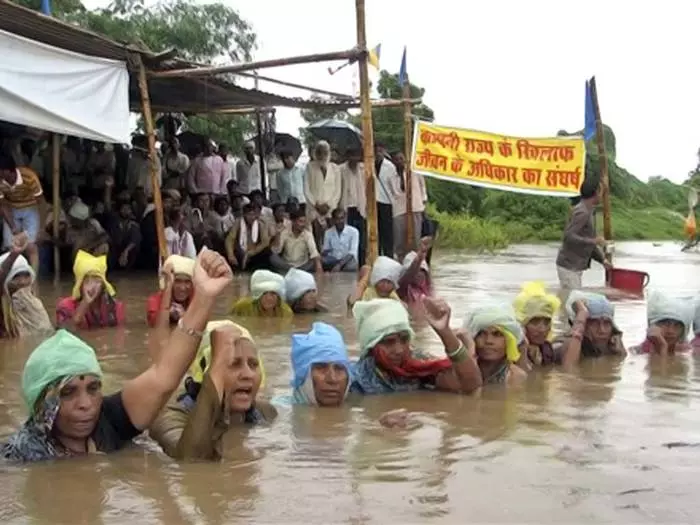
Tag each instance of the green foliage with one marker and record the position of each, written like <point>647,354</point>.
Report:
<point>199,32</point>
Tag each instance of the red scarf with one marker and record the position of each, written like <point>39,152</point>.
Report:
<point>412,367</point>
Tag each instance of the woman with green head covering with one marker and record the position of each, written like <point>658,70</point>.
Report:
<point>388,363</point>
<point>62,384</point>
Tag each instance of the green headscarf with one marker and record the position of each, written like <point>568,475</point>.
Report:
<point>61,355</point>
<point>378,318</point>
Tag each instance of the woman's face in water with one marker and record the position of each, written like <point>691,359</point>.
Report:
<point>537,329</point>
<point>182,288</point>
<point>671,330</point>
<point>384,288</point>
<point>330,382</point>
<point>19,281</point>
<point>599,331</point>
<point>490,344</point>
<point>309,300</point>
<point>395,347</point>
<point>81,401</point>
<point>269,301</point>
<point>243,373</point>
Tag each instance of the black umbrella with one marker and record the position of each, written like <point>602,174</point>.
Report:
<point>283,142</point>
<point>341,135</point>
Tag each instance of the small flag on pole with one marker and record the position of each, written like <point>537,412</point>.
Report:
<point>374,54</point>
<point>46,7</point>
<point>403,72</point>
<point>589,129</point>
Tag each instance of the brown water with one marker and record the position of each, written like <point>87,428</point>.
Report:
<point>587,447</point>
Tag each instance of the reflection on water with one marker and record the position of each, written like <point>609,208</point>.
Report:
<point>605,444</point>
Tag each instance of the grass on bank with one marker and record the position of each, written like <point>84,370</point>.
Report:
<point>463,231</point>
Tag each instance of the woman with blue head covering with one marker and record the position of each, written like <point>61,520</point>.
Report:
<point>593,329</point>
<point>321,367</point>
<point>669,320</point>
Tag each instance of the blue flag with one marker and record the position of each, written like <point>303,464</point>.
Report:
<point>403,73</point>
<point>46,7</point>
<point>589,128</point>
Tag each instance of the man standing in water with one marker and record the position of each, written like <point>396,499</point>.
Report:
<point>580,243</point>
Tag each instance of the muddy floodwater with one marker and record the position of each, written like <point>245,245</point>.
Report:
<point>611,443</point>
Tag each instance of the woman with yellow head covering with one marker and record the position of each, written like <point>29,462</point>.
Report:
<point>220,394</point>
<point>535,309</point>
<point>93,303</point>
<point>176,291</point>
<point>267,297</point>
<point>496,334</point>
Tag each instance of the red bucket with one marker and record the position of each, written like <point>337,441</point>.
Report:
<point>628,280</point>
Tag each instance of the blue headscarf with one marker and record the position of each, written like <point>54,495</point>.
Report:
<point>323,344</point>
<point>599,307</point>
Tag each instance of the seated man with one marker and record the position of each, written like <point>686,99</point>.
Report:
<point>296,248</point>
<point>125,235</point>
<point>248,242</point>
<point>84,232</point>
<point>340,245</point>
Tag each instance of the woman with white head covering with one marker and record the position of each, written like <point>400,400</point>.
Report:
<point>302,292</point>
<point>669,320</point>
<point>593,329</point>
<point>322,189</point>
<point>176,291</point>
<point>267,297</point>
<point>23,313</point>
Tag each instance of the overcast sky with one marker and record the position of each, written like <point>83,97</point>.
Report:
<point>514,67</point>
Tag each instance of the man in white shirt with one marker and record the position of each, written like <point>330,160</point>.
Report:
<point>401,217</point>
<point>248,170</point>
<point>290,180</point>
<point>176,165</point>
<point>354,201</point>
<point>385,172</point>
<point>322,189</point>
<point>296,248</point>
<point>340,245</point>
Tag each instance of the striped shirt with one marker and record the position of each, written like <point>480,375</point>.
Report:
<point>25,191</point>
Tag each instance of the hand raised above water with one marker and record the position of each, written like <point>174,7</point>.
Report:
<point>211,274</point>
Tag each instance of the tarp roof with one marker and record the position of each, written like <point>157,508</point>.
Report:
<point>186,95</point>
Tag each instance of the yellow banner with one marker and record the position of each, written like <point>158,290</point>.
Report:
<point>548,166</point>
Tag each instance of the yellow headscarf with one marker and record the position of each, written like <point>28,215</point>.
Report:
<point>181,266</point>
<point>502,317</point>
<point>203,359</point>
<point>86,264</point>
<point>534,301</point>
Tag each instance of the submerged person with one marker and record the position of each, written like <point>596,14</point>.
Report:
<point>415,282</point>
<point>302,292</point>
<point>496,334</point>
<point>92,303</point>
<point>388,363</point>
<point>175,294</point>
<point>22,313</point>
<point>321,367</point>
<point>535,309</point>
<point>267,297</point>
<point>669,320</point>
<point>593,329</point>
<point>383,279</point>
<point>62,384</point>
<point>220,394</point>
<point>695,343</point>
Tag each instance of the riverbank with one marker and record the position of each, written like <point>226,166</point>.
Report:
<point>463,231</point>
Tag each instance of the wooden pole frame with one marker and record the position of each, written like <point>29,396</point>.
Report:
<point>260,146</point>
<point>350,54</point>
<point>408,141</point>
<point>605,178</point>
<point>56,201</point>
<point>367,135</point>
<point>152,155</point>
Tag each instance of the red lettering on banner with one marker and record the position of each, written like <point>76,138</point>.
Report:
<point>478,146</point>
<point>532,176</point>
<point>505,148</point>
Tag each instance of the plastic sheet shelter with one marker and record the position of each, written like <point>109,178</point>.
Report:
<point>49,88</point>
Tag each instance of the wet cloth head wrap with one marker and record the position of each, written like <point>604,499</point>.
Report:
<point>182,266</point>
<point>297,283</point>
<point>502,317</point>
<point>323,344</point>
<point>263,281</point>
<point>662,307</point>
<point>49,368</point>
<point>21,265</point>
<point>86,264</point>
<point>385,268</point>
<point>599,307</point>
<point>377,319</point>
<point>533,301</point>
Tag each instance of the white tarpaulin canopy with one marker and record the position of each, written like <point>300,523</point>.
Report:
<point>48,88</point>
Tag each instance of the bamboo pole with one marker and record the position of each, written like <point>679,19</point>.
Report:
<point>367,135</point>
<point>56,201</point>
<point>341,96</point>
<point>150,134</point>
<point>260,146</point>
<point>407,139</point>
<point>350,54</point>
<point>604,180</point>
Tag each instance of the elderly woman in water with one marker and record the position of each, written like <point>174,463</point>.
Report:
<point>493,332</point>
<point>92,303</point>
<point>593,330</point>
<point>388,363</point>
<point>535,309</point>
<point>267,294</point>
<point>669,320</point>
<point>62,384</point>
<point>175,295</point>
<point>302,292</point>
<point>220,394</point>
<point>22,312</point>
